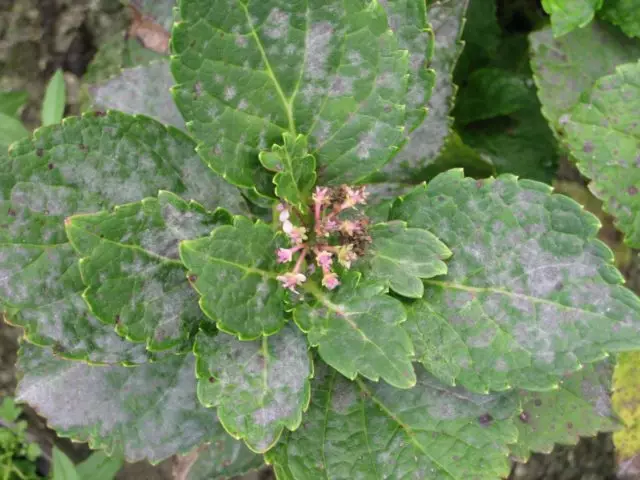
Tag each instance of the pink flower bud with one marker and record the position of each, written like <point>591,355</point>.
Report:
<point>330,280</point>
<point>291,280</point>
<point>285,255</point>
<point>284,215</point>
<point>321,195</point>
<point>354,196</point>
<point>287,227</point>
<point>297,234</point>
<point>349,227</point>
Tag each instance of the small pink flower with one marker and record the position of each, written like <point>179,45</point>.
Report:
<point>297,234</point>
<point>285,255</point>
<point>349,228</point>
<point>354,196</point>
<point>282,207</point>
<point>346,255</point>
<point>284,215</point>
<point>321,195</point>
<point>287,227</point>
<point>291,280</point>
<point>324,260</point>
<point>330,280</point>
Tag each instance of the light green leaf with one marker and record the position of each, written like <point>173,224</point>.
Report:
<point>625,14</point>
<point>564,68</point>
<point>580,407</point>
<point>8,410</point>
<point>135,280</point>
<point>259,387</point>
<point>223,459</point>
<point>401,257</point>
<point>11,102</point>
<point>356,331</point>
<point>11,130</point>
<point>55,98</point>
<point>248,72</point>
<point>604,136</point>
<point>567,15</point>
<point>63,467</point>
<point>141,89</point>
<point>530,290</point>
<point>146,412</point>
<point>296,170</point>
<point>85,165</point>
<point>364,430</point>
<point>234,271</point>
<point>428,139</point>
<point>99,466</point>
<point>626,395</point>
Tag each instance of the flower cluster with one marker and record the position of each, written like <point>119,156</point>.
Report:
<point>335,234</point>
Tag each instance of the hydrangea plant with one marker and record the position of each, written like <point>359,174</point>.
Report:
<point>277,284</point>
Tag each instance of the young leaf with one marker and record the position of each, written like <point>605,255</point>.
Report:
<point>581,407</point>
<point>142,89</point>
<point>63,467</point>
<point>146,412</point>
<point>258,387</point>
<point>222,460</point>
<point>55,98</point>
<point>248,72</point>
<point>87,164</point>
<point>132,270</point>
<point>623,13</point>
<point>530,290</point>
<point>11,102</point>
<point>567,15</point>
<point>296,170</point>
<point>234,271</point>
<point>626,403</point>
<point>566,67</point>
<point>401,257</point>
<point>356,331</point>
<point>99,466</point>
<point>603,135</point>
<point>11,130</point>
<point>364,430</point>
<point>428,139</point>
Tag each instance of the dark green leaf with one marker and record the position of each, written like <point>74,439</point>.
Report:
<point>146,412</point>
<point>85,165</point>
<point>530,290</point>
<point>625,14</point>
<point>55,98</point>
<point>581,407</point>
<point>259,387</point>
<point>248,72</point>
<point>296,170</point>
<point>135,280</point>
<point>356,331</point>
<point>234,271</point>
<point>364,430</point>
<point>63,468</point>
<point>604,136</point>
<point>567,15</point>
<point>12,102</point>
<point>401,257</point>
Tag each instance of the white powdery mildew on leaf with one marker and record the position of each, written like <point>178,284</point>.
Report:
<point>146,412</point>
<point>537,297</point>
<point>259,387</point>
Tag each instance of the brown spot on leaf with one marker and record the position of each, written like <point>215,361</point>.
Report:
<point>524,417</point>
<point>485,419</point>
<point>39,152</point>
<point>537,402</point>
<point>569,425</point>
<point>587,147</point>
<point>632,191</point>
<point>212,380</point>
<point>11,212</point>
<point>50,166</point>
<point>192,278</point>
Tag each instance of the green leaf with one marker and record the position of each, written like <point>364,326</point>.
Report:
<point>11,102</point>
<point>626,403</point>
<point>580,407</point>
<point>623,13</point>
<point>530,290</point>
<point>8,410</point>
<point>234,271</point>
<point>259,387</point>
<point>356,331</point>
<point>146,412</point>
<point>296,170</point>
<point>63,468</point>
<point>364,430</point>
<point>603,135</point>
<point>224,460</point>
<point>401,257</point>
<point>135,280</point>
<point>85,165</point>
<point>428,139</point>
<point>567,15</point>
<point>99,466</point>
<point>11,130</point>
<point>564,68</point>
<point>143,89</point>
<point>54,100</point>
<point>248,72</point>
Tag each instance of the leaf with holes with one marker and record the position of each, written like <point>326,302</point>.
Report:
<point>295,170</point>
<point>248,72</point>
<point>603,134</point>
<point>146,412</point>
<point>234,271</point>
<point>567,15</point>
<point>356,331</point>
<point>85,165</point>
<point>581,407</point>
<point>135,280</point>
<point>401,257</point>
<point>530,292</point>
<point>365,430</point>
<point>259,387</point>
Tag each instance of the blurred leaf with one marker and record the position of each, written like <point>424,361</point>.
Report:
<point>63,468</point>
<point>12,102</point>
<point>626,403</point>
<point>625,14</point>
<point>9,411</point>
<point>221,460</point>
<point>99,466</point>
<point>55,98</point>
<point>567,15</point>
<point>11,130</point>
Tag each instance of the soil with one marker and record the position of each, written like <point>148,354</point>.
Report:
<point>39,36</point>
